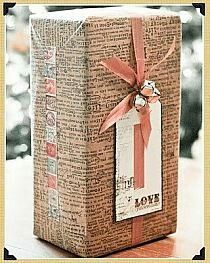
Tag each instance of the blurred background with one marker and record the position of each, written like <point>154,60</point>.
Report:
<point>18,131</point>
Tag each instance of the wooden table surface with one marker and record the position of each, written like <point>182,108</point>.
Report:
<point>19,239</point>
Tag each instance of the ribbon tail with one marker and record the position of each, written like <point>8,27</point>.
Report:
<point>117,113</point>
<point>121,69</point>
<point>146,127</point>
<point>170,51</point>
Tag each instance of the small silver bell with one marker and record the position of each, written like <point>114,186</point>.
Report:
<point>147,88</point>
<point>139,102</point>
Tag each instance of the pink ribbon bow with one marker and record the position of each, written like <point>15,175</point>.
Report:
<point>135,80</point>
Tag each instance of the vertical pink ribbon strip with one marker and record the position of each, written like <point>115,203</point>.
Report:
<point>141,131</point>
<point>138,157</point>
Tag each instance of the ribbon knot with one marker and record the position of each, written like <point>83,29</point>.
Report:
<point>144,91</point>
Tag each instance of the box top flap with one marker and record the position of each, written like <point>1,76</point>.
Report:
<point>104,12</point>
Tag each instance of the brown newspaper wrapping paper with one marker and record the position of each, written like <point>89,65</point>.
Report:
<point>86,93</point>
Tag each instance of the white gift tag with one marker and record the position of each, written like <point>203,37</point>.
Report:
<point>131,202</point>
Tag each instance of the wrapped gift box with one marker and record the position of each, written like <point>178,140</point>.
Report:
<point>85,199</point>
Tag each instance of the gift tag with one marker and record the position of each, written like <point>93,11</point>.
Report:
<point>138,169</point>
